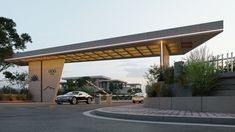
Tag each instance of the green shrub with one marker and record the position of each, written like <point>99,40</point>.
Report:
<point>169,75</point>
<point>24,97</point>
<point>166,91</point>
<point>9,97</point>
<point>153,89</point>
<point>8,90</point>
<point>200,73</point>
<point>24,91</point>
<point>29,96</point>
<point>21,97</point>
<point>18,97</point>
<point>154,74</point>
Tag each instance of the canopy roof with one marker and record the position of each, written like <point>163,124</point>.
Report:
<point>177,40</point>
<point>100,77</point>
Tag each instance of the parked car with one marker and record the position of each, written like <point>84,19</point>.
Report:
<point>138,97</point>
<point>74,97</point>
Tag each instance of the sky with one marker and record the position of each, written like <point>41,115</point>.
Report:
<point>62,22</point>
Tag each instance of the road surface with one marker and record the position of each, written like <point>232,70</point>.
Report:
<point>70,118</point>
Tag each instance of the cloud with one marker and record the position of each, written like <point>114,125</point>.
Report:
<point>136,72</point>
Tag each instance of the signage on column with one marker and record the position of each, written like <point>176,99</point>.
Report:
<point>34,78</point>
<point>52,71</point>
<point>48,87</point>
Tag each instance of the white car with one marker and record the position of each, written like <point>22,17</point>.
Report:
<point>74,97</point>
<point>138,97</point>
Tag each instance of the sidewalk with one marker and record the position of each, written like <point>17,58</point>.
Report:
<point>138,112</point>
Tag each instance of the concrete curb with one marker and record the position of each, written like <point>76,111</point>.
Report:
<point>164,118</point>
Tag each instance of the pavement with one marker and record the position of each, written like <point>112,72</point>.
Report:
<point>48,117</point>
<point>139,112</point>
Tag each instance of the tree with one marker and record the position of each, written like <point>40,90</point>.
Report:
<point>155,77</point>
<point>152,89</point>
<point>83,81</point>
<point>115,87</point>
<point>153,74</point>
<point>16,78</point>
<point>84,86</point>
<point>132,91</point>
<point>70,85</point>
<point>10,41</point>
<point>78,84</point>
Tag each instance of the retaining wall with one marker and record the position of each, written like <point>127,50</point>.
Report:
<point>225,85</point>
<point>200,104</point>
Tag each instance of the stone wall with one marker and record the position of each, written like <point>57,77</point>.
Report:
<point>200,104</point>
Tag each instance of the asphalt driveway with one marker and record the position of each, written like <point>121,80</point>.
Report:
<point>69,118</point>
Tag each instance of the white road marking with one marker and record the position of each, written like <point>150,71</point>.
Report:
<point>88,113</point>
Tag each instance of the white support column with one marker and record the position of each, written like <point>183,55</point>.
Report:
<point>164,56</point>
<point>45,79</point>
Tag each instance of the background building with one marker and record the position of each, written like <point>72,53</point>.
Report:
<point>114,86</point>
<point>133,88</point>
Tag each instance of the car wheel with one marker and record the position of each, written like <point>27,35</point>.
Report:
<point>88,100</point>
<point>133,101</point>
<point>73,101</point>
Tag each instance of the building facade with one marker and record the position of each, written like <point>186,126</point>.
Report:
<point>109,85</point>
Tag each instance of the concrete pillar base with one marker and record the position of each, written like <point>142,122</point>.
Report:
<point>45,79</point>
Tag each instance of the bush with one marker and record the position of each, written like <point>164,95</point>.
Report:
<point>24,91</point>
<point>9,97</point>
<point>25,94</point>
<point>166,91</point>
<point>9,90</point>
<point>18,97</point>
<point>21,97</point>
<point>153,89</point>
<point>169,75</point>
<point>12,97</point>
<point>201,73</point>
<point>29,96</point>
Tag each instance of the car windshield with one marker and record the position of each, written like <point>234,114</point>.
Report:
<point>139,94</point>
<point>69,93</point>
